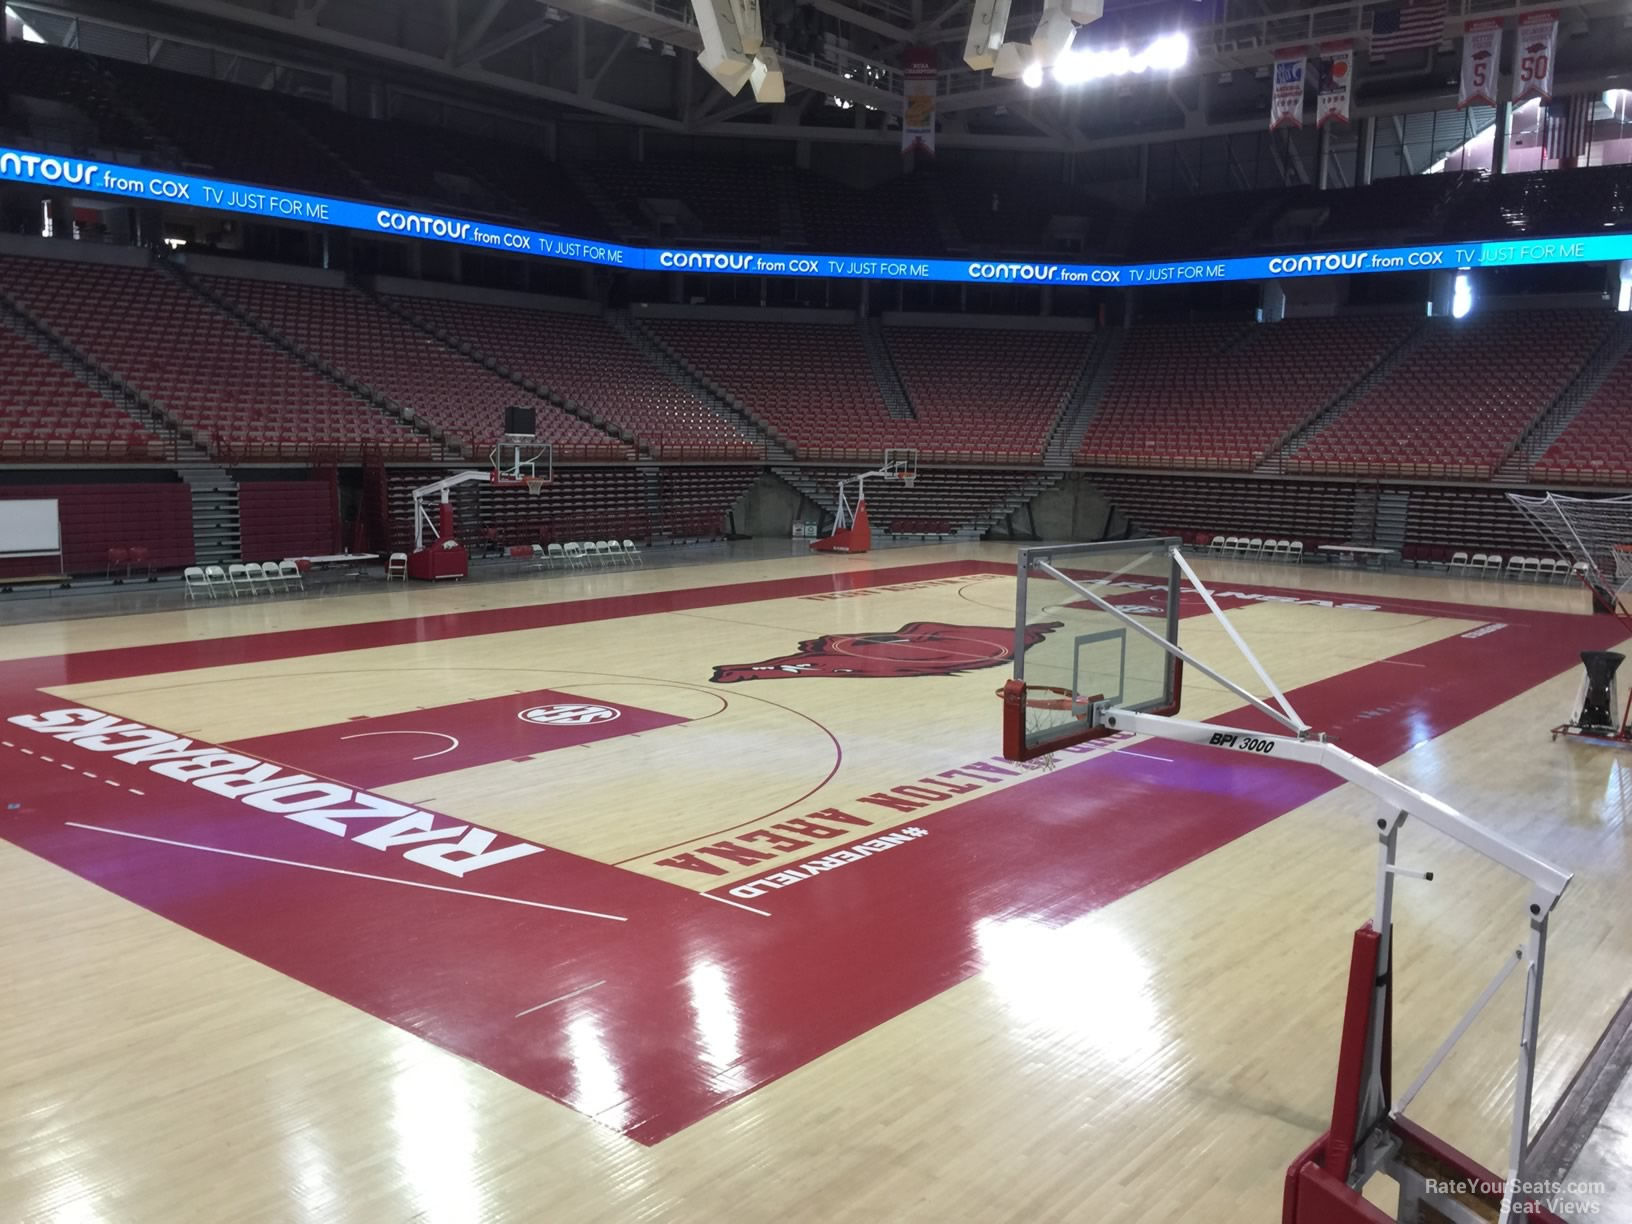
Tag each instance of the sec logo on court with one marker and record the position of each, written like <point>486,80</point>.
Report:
<point>921,648</point>
<point>566,715</point>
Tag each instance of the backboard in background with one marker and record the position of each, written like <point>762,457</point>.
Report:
<point>1069,653</point>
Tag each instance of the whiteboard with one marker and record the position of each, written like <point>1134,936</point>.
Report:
<point>29,528</point>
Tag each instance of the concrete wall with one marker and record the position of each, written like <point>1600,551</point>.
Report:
<point>246,269</point>
<point>400,286</point>
<point>770,506</point>
<point>1016,323</point>
<point>1072,510</point>
<point>74,252</point>
<point>742,314</point>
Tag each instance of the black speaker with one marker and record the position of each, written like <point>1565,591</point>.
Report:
<point>519,419</point>
<point>1597,710</point>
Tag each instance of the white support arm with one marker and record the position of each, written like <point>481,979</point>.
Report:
<point>439,490</point>
<point>1550,881</point>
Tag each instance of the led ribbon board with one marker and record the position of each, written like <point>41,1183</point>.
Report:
<point>162,187</point>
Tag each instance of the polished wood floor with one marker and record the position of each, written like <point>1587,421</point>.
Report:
<point>1160,1057</point>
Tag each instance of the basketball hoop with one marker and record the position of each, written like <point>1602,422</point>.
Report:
<point>1039,707</point>
<point>535,485</point>
<point>1048,698</point>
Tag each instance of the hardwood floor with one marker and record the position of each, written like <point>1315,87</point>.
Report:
<point>1109,991</point>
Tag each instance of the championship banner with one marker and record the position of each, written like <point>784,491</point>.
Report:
<point>1335,81</point>
<point>1533,65</point>
<point>1286,95</point>
<point>1481,45</point>
<point>918,97</point>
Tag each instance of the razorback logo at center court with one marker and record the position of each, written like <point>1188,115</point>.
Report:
<point>921,648</point>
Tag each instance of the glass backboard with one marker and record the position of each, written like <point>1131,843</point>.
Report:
<point>1070,653</point>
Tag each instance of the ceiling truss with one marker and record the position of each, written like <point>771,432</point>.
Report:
<point>603,57</point>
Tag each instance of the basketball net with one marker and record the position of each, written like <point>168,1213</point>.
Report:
<point>1596,533</point>
<point>1040,701</point>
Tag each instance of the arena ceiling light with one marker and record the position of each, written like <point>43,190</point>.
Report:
<point>1168,53</point>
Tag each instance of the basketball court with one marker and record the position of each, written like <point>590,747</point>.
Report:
<point>708,891</point>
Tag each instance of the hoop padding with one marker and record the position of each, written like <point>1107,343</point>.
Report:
<point>1316,1190</point>
<point>1018,701</point>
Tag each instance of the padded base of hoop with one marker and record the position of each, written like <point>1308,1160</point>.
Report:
<point>856,538</point>
<point>435,563</point>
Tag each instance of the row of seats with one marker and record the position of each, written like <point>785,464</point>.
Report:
<point>1225,395</point>
<point>1253,548</point>
<point>813,384</point>
<point>237,394</point>
<point>581,503</point>
<point>242,578</point>
<point>1298,510</point>
<point>967,398</point>
<point>1481,520</point>
<point>577,554</point>
<point>947,500</point>
<point>1439,521</point>
<point>446,390</point>
<point>1459,402</point>
<point>1220,395</point>
<point>1533,569</point>
<point>1596,446</point>
<point>50,415</point>
<point>585,360</point>
<point>1209,395</point>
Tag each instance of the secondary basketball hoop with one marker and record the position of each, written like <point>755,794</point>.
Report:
<point>901,463</point>
<point>1595,532</point>
<point>1097,652</point>
<point>852,530</point>
<point>521,459</point>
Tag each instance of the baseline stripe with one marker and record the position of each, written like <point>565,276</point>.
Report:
<point>361,875</point>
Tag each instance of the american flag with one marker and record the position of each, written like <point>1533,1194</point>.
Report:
<point>1566,128</point>
<point>1419,23</point>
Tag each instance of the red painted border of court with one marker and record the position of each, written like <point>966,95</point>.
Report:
<point>650,1024</point>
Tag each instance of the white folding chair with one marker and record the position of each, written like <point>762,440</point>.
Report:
<point>396,566</point>
<point>614,550</point>
<point>291,575</point>
<point>1294,552</point>
<point>256,577</point>
<point>194,580</point>
<point>1459,561</point>
<point>238,576</point>
<point>1532,569</point>
<point>217,577</point>
<point>556,556</point>
<point>1493,564</point>
<point>633,553</point>
<point>1255,547</point>
<point>574,554</point>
